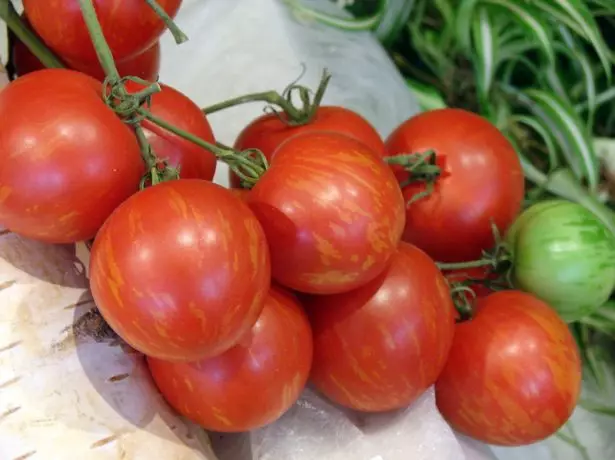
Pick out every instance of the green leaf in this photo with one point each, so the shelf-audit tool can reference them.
(431, 54)
(570, 133)
(484, 58)
(446, 10)
(465, 16)
(539, 128)
(592, 364)
(530, 20)
(428, 97)
(304, 12)
(394, 16)
(577, 56)
(597, 408)
(576, 15)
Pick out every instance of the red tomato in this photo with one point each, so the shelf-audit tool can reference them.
(332, 212)
(129, 26)
(181, 270)
(178, 110)
(240, 193)
(145, 65)
(252, 384)
(268, 132)
(67, 161)
(513, 375)
(379, 347)
(482, 180)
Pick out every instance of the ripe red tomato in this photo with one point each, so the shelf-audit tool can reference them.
(240, 193)
(481, 180)
(514, 373)
(66, 160)
(181, 270)
(252, 384)
(145, 65)
(381, 346)
(130, 26)
(332, 212)
(178, 110)
(268, 132)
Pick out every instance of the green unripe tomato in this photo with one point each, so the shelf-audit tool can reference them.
(563, 254)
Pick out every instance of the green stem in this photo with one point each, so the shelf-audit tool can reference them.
(230, 156)
(146, 150)
(179, 36)
(9, 15)
(465, 265)
(294, 116)
(103, 51)
(270, 97)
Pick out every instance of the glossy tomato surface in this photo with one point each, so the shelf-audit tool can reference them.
(66, 160)
(481, 182)
(379, 347)
(178, 110)
(332, 211)
(253, 383)
(268, 132)
(145, 65)
(513, 375)
(181, 270)
(129, 26)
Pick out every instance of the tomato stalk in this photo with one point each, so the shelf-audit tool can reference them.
(248, 165)
(178, 35)
(290, 114)
(498, 260)
(25, 34)
(421, 168)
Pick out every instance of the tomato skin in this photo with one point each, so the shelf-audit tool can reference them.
(332, 212)
(379, 347)
(67, 161)
(268, 132)
(482, 180)
(241, 193)
(181, 270)
(177, 109)
(145, 65)
(250, 385)
(129, 26)
(565, 255)
(513, 375)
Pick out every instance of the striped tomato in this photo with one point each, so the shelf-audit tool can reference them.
(381, 346)
(180, 270)
(565, 255)
(269, 131)
(513, 375)
(253, 383)
(129, 26)
(332, 212)
(145, 65)
(180, 111)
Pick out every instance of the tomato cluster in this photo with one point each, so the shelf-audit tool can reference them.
(324, 270)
